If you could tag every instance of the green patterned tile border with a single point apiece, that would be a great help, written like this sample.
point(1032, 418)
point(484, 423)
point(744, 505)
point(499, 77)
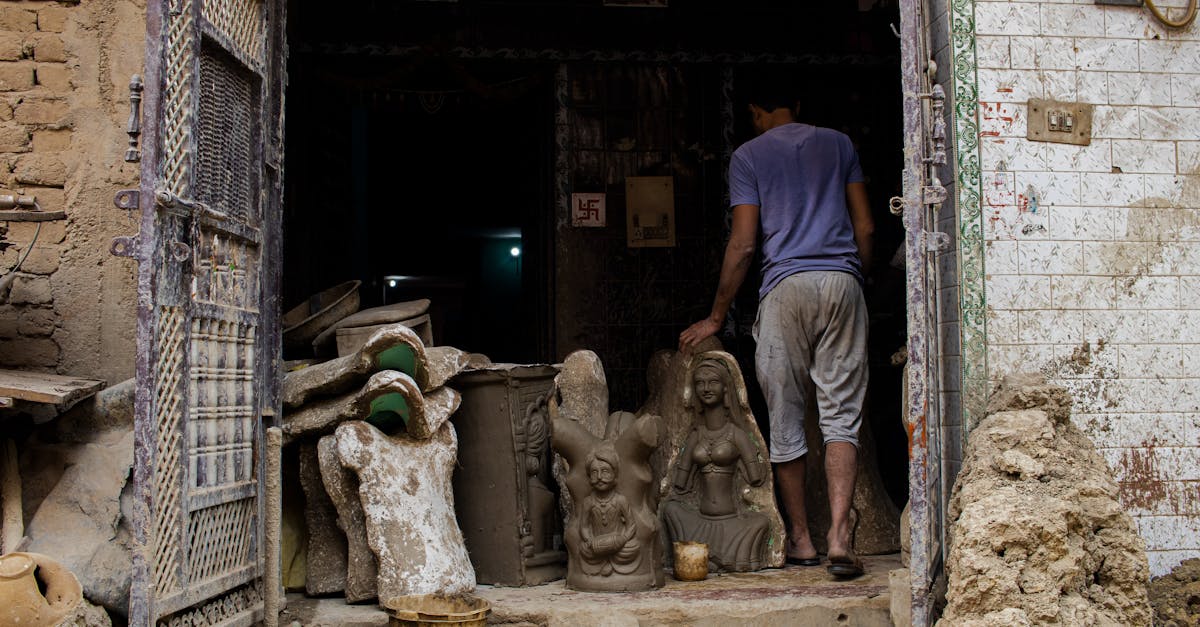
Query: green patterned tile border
point(970, 214)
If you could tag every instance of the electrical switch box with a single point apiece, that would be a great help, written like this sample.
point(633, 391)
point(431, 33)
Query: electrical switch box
point(1059, 122)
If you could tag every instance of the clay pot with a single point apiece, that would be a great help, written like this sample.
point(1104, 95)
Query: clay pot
point(691, 561)
point(21, 600)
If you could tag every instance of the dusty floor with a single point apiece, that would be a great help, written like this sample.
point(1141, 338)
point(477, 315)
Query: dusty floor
point(789, 596)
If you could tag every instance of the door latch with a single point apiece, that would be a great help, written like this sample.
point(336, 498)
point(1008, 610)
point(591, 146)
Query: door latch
point(125, 246)
point(133, 154)
point(127, 199)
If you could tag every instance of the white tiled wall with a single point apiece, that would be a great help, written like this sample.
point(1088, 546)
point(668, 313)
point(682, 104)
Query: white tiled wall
point(1092, 253)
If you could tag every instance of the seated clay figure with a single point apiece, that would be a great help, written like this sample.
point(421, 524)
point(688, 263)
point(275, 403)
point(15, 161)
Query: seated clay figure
point(717, 461)
point(608, 531)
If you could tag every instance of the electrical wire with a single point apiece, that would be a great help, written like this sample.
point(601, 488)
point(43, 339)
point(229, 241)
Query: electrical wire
point(1187, 19)
point(20, 261)
point(11, 275)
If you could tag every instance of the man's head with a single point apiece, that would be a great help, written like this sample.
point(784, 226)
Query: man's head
point(771, 100)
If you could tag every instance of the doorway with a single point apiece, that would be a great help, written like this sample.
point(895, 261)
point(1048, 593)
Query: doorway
point(428, 141)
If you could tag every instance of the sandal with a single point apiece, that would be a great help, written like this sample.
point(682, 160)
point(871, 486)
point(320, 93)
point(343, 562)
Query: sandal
point(849, 565)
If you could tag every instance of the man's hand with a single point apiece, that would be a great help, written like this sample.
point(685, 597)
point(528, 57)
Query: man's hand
point(697, 333)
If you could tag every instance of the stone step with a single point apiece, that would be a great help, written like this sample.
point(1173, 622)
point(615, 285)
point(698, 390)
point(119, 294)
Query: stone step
point(776, 597)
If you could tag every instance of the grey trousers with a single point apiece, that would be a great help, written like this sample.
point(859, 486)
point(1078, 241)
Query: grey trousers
point(812, 325)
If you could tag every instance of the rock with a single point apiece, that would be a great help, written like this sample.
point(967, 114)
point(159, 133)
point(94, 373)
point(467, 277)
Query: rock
point(900, 591)
point(1030, 390)
point(390, 400)
point(1058, 550)
point(395, 347)
point(362, 569)
point(86, 615)
point(77, 523)
point(405, 488)
point(1019, 465)
point(325, 570)
point(1176, 596)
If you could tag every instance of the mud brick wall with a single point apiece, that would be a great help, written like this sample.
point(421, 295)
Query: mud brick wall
point(1092, 258)
point(64, 101)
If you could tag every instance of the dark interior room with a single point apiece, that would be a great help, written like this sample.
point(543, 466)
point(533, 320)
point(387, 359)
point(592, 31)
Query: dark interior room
point(433, 148)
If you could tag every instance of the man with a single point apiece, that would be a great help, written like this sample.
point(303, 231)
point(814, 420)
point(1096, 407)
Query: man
point(803, 185)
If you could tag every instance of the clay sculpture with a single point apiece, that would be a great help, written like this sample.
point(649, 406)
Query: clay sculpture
point(408, 502)
point(612, 533)
point(389, 400)
point(362, 569)
point(721, 489)
point(395, 347)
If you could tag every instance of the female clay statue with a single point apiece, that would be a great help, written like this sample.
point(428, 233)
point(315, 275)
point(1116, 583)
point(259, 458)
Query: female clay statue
point(717, 461)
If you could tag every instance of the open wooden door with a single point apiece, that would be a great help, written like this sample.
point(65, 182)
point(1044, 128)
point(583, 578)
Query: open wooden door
point(924, 155)
point(208, 322)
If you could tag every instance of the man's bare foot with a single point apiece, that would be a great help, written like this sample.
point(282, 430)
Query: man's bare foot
point(800, 551)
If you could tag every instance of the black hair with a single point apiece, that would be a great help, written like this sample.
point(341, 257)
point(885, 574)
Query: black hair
point(769, 90)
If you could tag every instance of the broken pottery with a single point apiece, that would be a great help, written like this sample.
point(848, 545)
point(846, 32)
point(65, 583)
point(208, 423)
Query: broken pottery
point(395, 347)
point(362, 569)
point(35, 590)
point(408, 501)
point(390, 400)
point(509, 517)
point(612, 532)
point(325, 566)
point(722, 493)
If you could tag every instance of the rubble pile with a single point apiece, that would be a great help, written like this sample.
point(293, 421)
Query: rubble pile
point(1037, 535)
point(1176, 596)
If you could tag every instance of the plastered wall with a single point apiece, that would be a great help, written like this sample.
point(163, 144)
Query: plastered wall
point(1092, 258)
point(64, 102)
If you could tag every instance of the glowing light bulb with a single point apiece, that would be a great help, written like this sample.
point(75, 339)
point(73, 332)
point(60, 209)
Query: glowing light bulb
point(392, 283)
point(515, 252)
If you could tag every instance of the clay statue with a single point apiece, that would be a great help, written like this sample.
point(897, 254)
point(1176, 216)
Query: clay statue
point(719, 466)
point(540, 504)
point(612, 533)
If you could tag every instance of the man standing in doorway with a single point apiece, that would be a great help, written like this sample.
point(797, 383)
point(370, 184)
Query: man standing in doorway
point(804, 187)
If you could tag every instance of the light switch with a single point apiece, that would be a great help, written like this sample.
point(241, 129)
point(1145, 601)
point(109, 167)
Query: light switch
point(1059, 122)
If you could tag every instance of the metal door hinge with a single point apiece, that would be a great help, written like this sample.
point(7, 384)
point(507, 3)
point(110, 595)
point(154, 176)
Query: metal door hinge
point(935, 241)
point(125, 246)
point(933, 194)
point(127, 199)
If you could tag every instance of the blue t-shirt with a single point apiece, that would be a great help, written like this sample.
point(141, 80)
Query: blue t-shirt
point(797, 175)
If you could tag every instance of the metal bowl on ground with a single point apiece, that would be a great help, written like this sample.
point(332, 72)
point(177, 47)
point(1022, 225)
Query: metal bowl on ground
point(304, 322)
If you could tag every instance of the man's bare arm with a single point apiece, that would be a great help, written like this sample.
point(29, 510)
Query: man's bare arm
point(864, 224)
point(739, 252)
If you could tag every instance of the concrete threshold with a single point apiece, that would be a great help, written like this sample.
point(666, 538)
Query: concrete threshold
point(789, 596)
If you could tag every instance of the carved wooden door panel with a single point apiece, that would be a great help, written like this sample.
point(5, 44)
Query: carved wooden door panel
point(208, 323)
point(925, 155)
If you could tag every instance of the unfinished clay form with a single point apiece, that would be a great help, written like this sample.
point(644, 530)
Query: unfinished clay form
point(395, 347)
point(35, 590)
point(406, 493)
point(325, 571)
point(362, 569)
point(508, 516)
point(393, 313)
point(722, 493)
point(612, 532)
point(390, 400)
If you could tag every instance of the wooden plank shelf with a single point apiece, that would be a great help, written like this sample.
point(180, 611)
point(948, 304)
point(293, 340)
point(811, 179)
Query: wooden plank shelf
point(52, 389)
